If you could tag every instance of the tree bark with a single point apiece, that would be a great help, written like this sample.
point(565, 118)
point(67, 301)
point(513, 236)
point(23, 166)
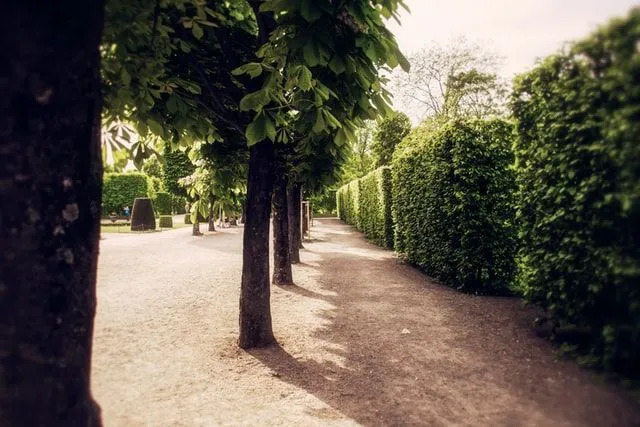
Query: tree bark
point(255, 309)
point(195, 228)
point(295, 238)
point(282, 274)
point(212, 220)
point(50, 197)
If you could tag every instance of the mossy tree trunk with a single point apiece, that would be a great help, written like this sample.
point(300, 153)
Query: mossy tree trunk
point(255, 309)
point(50, 197)
point(294, 200)
point(282, 274)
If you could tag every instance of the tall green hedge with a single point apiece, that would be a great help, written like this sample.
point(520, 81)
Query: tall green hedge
point(121, 189)
point(347, 200)
point(578, 163)
point(453, 192)
point(374, 206)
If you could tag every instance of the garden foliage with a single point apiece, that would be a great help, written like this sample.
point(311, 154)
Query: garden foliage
point(121, 189)
point(162, 203)
point(366, 203)
point(578, 164)
point(453, 191)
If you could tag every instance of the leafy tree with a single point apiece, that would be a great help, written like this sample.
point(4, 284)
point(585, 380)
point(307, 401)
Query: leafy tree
point(176, 166)
point(359, 160)
point(318, 67)
point(153, 167)
point(389, 133)
point(50, 218)
point(449, 81)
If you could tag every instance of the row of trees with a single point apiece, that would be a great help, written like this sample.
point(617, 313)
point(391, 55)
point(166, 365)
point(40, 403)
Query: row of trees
point(274, 82)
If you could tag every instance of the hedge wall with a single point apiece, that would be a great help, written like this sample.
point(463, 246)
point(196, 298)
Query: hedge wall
point(453, 192)
point(347, 200)
point(374, 207)
point(578, 164)
point(121, 189)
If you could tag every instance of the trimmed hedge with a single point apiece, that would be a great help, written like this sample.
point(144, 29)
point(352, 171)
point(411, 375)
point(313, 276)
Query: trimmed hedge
point(166, 221)
point(162, 203)
point(578, 164)
point(121, 189)
point(347, 202)
point(366, 203)
point(374, 207)
point(453, 192)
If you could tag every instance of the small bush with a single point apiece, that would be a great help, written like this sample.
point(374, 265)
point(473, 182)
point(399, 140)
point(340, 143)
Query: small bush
point(453, 192)
point(578, 165)
point(166, 221)
point(162, 203)
point(121, 189)
point(187, 218)
point(374, 207)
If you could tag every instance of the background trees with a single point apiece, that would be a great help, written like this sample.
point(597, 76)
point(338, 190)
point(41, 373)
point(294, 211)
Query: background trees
point(389, 132)
point(448, 81)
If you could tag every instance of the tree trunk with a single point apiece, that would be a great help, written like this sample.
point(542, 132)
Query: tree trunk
point(282, 274)
point(195, 228)
point(295, 238)
point(212, 220)
point(50, 197)
point(255, 310)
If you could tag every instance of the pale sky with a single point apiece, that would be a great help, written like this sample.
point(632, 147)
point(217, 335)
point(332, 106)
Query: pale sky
point(518, 30)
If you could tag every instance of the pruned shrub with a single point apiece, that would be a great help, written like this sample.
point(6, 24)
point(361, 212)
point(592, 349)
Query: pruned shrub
point(166, 221)
point(162, 203)
point(347, 202)
point(374, 207)
point(578, 171)
point(142, 216)
point(121, 189)
point(453, 191)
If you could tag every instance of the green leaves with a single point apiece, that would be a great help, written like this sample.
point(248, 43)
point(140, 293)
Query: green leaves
point(309, 11)
point(255, 101)
point(261, 128)
point(253, 69)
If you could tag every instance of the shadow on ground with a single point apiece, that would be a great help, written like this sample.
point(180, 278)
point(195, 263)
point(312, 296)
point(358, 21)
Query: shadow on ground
point(408, 351)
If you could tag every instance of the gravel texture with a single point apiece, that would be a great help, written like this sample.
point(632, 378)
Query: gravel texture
point(363, 339)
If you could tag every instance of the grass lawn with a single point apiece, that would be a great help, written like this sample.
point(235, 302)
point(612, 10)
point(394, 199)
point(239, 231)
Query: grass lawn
point(124, 228)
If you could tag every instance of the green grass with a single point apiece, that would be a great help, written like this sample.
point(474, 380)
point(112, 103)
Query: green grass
point(127, 228)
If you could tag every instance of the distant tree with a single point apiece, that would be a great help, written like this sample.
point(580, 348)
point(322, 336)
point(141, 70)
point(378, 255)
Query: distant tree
point(176, 166)
point(388, 135)
point(153, 167)
point(359, 159)
point(448, 81)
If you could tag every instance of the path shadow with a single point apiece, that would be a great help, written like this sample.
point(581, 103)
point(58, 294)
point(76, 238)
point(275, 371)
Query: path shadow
point(407, 351)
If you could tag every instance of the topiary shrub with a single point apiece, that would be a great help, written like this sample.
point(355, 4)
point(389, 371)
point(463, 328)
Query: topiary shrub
point(578, 171)
point(142, 216)
point(162, 203)
point(166, 221)
point(453, 192)
point(176, 166)
point(121, 189)
point(374, 207)
point(178, 204)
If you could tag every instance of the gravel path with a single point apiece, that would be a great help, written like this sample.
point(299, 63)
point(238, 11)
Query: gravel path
point(363, 340)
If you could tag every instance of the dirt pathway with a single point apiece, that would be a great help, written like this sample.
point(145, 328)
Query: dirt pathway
point(165, 354)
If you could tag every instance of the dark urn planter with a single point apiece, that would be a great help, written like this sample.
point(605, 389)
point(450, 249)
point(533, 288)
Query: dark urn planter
point(142, 216)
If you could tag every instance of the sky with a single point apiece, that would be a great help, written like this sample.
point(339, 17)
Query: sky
point(518, 30)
